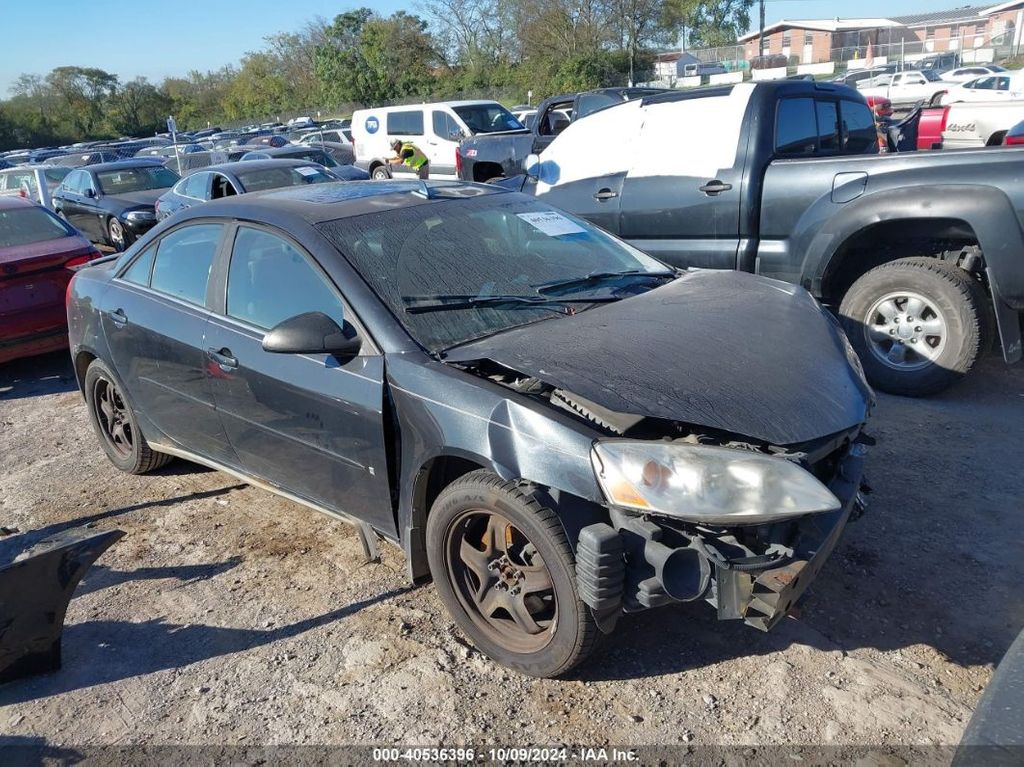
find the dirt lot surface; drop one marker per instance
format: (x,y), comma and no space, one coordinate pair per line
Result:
(227,615)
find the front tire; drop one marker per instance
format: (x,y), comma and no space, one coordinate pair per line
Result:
(115,424)
(917,324)
(505,571)
(118,237)
(380,173)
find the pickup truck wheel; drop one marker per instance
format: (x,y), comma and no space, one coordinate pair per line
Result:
(917,324)
(380,173)
(115,424)
(505,571)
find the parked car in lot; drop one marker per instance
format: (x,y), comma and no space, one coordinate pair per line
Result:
(914,251)
(88,157)
(906,89)
(494,386)
(1015,136)
(273,140)
(312,154)
(318,137)
(435,128)
(112,203)
(234,178)
(1008,86)
(973,72)
(37,253)
(36,182)
(491,156)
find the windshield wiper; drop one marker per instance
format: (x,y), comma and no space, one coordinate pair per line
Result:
(420,304)
(595,278)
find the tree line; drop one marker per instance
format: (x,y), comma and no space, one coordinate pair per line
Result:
(449,48)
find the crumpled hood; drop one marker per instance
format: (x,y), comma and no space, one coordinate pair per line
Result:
(718,349)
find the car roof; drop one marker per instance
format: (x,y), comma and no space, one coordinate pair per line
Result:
(9,203)
(234,168)
(317,203)
(135,162)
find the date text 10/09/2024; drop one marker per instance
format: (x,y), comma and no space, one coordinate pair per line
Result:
(504,754)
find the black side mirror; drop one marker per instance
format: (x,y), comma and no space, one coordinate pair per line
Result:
(90,192)
(313,333)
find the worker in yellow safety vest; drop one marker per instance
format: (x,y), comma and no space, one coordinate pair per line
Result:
(412,156)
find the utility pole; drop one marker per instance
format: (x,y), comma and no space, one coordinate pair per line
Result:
(760,41)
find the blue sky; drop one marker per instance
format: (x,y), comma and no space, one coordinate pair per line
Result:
(157,39)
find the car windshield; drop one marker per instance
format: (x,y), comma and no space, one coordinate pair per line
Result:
(318,156)
(931,75)
(487,118)
(56,175)
(273,178)
(136,179)
(23,226)
(460,269)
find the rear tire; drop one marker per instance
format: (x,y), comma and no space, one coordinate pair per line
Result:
(917,324)
(516,597)
(113,419)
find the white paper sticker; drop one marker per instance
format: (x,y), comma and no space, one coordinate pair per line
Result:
(305,170)
(551,223)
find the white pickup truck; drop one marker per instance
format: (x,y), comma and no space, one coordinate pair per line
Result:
(977,124)
(906,89)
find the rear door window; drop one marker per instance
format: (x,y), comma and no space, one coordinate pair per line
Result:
(405,123)
(183,261)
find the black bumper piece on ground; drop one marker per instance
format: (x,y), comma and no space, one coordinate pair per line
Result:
(36,584)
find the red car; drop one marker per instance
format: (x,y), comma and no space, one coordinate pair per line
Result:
(37,253)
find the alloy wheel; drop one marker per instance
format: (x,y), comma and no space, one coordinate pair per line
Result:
(501,580)
(905,330)
(111,414)
(117,235)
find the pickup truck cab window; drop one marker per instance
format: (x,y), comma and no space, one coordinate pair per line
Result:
(806,127)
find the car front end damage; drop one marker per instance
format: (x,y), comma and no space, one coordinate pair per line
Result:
(754,568)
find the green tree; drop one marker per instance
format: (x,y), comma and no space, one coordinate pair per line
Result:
(718,22)
(81,93)
(138,108)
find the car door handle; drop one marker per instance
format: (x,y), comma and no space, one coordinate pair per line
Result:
(715,187)
(223,358)
(605,194)
(119,318)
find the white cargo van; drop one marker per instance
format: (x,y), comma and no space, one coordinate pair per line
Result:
(436,129)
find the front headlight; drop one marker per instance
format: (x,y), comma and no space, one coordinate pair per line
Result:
(140,215)
(714,485)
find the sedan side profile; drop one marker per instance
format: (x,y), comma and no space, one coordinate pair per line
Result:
(113,203)
(554,426)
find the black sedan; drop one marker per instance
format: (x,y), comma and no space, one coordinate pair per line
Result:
(113,203)
(553,425)
(229,179)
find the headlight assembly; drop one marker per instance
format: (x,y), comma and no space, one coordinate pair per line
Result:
(140,215)
(704,484)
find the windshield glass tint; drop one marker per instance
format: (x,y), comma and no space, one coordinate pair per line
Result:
(488,118)
(139,179)
(273,178)
(23,226)
(493,245)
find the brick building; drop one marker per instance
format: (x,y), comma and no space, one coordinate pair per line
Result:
(809,41)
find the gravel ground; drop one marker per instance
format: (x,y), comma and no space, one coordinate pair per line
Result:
(229,616)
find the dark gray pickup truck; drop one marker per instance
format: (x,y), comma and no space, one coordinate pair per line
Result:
(485,157)
(921,255)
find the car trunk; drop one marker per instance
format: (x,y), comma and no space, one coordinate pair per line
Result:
(33,279)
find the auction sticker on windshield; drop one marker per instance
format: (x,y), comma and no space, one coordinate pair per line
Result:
(305,170)
(551,223)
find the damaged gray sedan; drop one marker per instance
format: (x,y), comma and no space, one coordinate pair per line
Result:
(554,426)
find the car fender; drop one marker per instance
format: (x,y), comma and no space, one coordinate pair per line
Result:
(455,414)
(989,212)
